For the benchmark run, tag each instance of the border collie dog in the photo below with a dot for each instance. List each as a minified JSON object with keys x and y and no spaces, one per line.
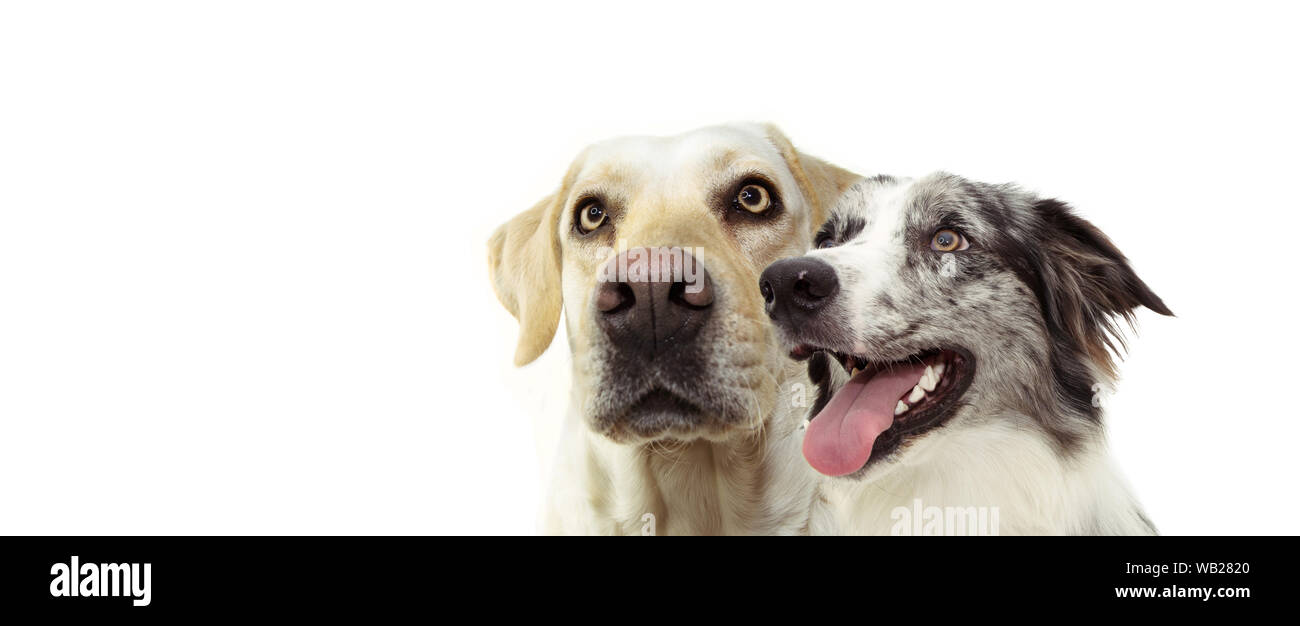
{"x":960,"y":334}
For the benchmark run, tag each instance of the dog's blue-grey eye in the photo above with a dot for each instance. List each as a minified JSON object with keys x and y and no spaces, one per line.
{"x":590,"y":217}
{"x":948,"y":240}
{"x":824,"y":242}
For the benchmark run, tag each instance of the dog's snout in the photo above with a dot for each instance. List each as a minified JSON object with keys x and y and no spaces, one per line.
{"x":796,"y":287}
{"x":653,"y":298}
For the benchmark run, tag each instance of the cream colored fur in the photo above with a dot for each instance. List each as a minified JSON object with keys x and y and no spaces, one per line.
{"x":749,"y":479}
{"x":996,"y":464}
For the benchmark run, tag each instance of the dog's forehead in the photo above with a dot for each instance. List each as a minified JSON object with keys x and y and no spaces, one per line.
{"x":987,"y":212}
{"x":892,"y":203}
{"x":694,"y":156}
{"x":940,"y":191}
{"x":870,"y":205}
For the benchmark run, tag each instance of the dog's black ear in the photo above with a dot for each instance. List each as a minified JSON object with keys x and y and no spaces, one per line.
{"x":1087,"y":283}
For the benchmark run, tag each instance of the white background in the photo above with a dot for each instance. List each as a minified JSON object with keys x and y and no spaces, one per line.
{"x":242,"y":277}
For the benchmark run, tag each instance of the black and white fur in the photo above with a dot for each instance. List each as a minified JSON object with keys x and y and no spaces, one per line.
{"x":1034,"y":299}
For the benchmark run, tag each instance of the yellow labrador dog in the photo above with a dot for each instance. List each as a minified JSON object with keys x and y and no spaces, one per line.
{"x":685,"y":414}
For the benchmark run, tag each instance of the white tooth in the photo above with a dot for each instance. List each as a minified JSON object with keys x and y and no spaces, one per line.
{"x":901,"y":408}
{"x":929,"y":379}
{"x":917,"y":394}
{"x":938,"y":371}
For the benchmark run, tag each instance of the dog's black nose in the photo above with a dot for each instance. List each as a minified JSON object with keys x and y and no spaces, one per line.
{"x":652,"y":299}
{"x":793,"y":288}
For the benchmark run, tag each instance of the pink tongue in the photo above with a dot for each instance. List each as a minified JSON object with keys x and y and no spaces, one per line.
{"x":839,"y":438}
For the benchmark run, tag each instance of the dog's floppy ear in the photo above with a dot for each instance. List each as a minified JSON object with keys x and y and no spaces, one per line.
{"x":524,"y":263}
{"x":1087,"y":283}
{"x":820,"y":182}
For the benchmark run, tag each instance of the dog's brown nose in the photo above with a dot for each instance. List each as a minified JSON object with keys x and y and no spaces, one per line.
{"x":653,"y":298}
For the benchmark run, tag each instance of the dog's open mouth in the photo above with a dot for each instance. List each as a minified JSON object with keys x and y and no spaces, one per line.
{"x":882,"y":404}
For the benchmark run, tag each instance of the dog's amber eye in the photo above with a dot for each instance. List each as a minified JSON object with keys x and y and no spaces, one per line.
{"x":590,"y":217}
{"x":948,"y":240}
{"x":754,"y":198}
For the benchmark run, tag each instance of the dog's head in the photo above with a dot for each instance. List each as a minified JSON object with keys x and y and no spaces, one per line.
{"x":651,"y":247}
{"x":950,"y":301}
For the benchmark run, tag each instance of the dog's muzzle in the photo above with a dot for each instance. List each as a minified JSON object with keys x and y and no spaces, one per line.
{"x":653,"y":300}
{"x":653,"y":305}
